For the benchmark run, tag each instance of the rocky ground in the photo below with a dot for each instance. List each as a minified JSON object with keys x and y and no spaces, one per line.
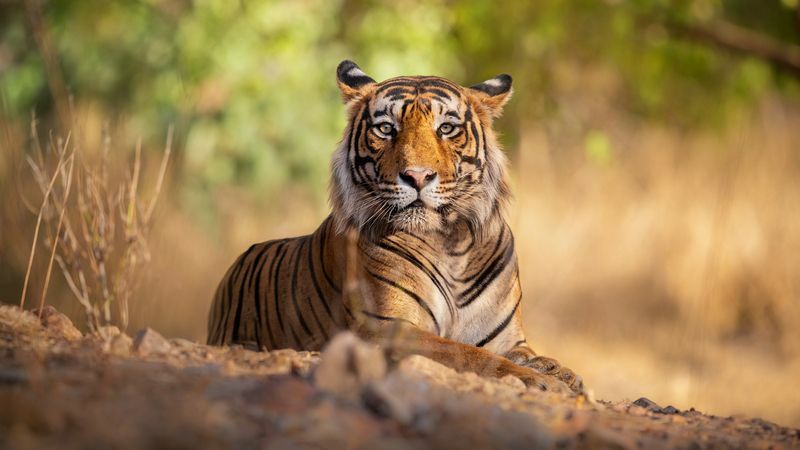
{"x":61,"y":389}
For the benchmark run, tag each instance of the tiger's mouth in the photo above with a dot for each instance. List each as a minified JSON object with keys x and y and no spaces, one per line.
{"x":418,"y":203}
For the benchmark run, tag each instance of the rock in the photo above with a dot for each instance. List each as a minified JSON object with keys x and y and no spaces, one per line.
{"x":384,"y":401}
{"x":183,"y":343}
{"x":347,"y":364}
{"x":647,"y":404}
{"x":119,"y":345}
{"x":654,"y":407}
{"x":450,"y":420}
{"x":20,"y":319}
{"x":149,"y":341}
{"x":58,"y":323}
{"x":670,"y":410}
{"x":114,"y":341}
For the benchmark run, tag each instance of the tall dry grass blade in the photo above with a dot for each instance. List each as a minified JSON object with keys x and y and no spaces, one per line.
{"x":130,"y":217}
{"x":37,"y":228}
{"x":56,"y":239}
{"x":162,"y":172}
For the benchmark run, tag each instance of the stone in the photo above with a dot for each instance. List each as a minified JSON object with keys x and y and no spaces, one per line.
{"x":383,"y":400}
{"x":347,"y":364}
{"x":149,"y":341}
{"x":670,"y":410}
{"x":58,"y":323}
{"x":120,"y":345}
{"x":183,"y":343}
{"x":647,"y":404}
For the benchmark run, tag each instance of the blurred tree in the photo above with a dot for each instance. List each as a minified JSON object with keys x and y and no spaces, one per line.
{"x":249,"y":84}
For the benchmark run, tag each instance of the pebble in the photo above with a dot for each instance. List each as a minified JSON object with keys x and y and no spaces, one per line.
{"x":120,"y":345}
{"x":149,"y":341}
{"x":647,"y":404}
{"x":670,"y":410}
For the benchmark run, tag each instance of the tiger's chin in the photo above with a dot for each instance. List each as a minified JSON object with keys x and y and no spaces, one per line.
{"x":416,"y":219}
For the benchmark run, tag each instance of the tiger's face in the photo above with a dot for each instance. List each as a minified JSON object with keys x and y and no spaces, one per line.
{"x":418,"y":153}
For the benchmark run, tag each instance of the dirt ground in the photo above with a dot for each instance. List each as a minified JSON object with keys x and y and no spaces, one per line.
{"x":61,"y":389}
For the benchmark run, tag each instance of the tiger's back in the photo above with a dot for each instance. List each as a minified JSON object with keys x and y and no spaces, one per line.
{"x":281,"y":294}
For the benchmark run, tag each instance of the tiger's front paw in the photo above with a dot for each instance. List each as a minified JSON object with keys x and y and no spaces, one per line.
{"x":538,"y":380}
{"x":525,"y":357}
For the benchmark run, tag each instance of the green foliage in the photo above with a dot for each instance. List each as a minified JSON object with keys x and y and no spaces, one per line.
{"x":598,"y":148}
{"x":250,"y":85}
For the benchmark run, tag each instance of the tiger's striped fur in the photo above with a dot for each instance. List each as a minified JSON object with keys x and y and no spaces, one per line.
{"x":416,"y":253}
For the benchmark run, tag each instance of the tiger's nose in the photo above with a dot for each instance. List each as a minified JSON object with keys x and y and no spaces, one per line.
{"x":418,"y":178}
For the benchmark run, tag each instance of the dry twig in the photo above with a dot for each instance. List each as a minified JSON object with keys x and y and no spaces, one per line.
{"x":101,"y":255}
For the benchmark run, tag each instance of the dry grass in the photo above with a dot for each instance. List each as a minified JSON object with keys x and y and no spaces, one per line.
{"x":98,"y":236}
{"x":672,"y":271}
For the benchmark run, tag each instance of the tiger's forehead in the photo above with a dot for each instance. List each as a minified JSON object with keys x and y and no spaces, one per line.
{"x":435,"y":94}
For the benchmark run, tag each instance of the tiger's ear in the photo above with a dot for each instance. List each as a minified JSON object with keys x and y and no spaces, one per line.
{"x":352,"y":81}
{"x":493,"y":93}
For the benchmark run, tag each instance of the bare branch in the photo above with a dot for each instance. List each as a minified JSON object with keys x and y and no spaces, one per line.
{"x":740,"y":40}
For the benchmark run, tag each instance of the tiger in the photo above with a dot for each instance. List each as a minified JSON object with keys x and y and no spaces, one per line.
{"x":416,"y":254}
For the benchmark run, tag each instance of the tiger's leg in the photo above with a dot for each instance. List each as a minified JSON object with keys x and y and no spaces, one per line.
{"x":403,"y":339}
{"x":522,"y":354}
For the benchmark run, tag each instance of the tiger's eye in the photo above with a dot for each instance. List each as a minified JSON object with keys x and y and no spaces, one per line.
{"x":446,"y":128}
{"x":385,"y":128}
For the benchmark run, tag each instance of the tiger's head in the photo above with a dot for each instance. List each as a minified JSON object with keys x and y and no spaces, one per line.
{"x":418,"y":153}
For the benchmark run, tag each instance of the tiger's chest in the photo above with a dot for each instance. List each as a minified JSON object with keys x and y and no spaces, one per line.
{"x":459,"y":286}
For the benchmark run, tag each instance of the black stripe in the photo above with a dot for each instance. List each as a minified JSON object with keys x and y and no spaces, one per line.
{"x":411,"y":294}
{"x":405,"y":254}
{"x":403,"y":109}
{"x":438,"y":93}
{"x":272,"y":272}
{"x":385,"y":318}
{"x":441,"y":83}
{"x":322,"y":244}
{"x":492,"y":254}
{"x":293,"y":286}
{"x":489,"y":274}
{"x":357,"y":172}
{"x":395,"y":82}
{"x":276,"y":290}
{"x":248,"y":274}
{"x":315,"y":282}
{"x":261,"y":316}
{"x":313,"y":276}
{"x":258,"y":267}
{"x":399,"y":91}
{"x":500,"y":327}
{"x":229,"y":293}
{"x":299,"y":345}
{"x":471,"y":230}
